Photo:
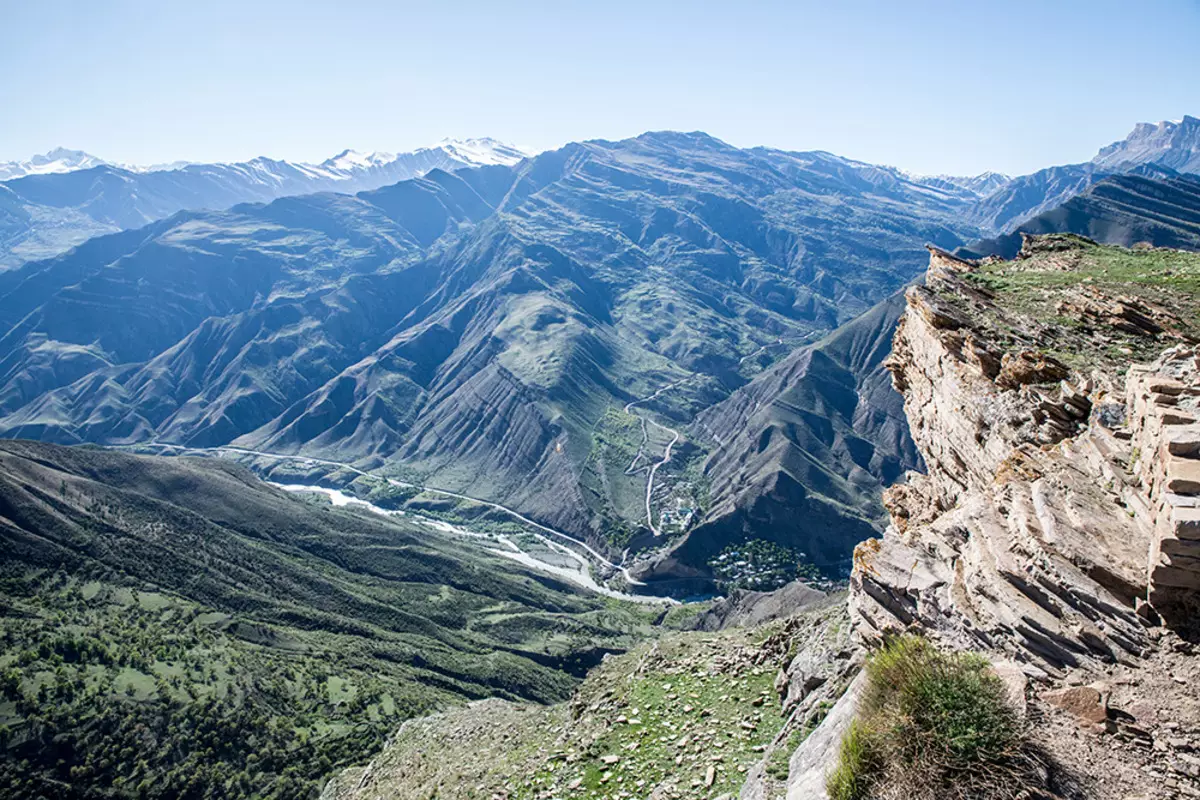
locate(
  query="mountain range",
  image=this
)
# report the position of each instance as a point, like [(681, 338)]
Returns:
[(661, 345), (472, 390), (1174, 146), (1151, 204), (60, 159), (53, 202)]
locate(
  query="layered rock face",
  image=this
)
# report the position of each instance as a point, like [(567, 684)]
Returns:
[(1019, 537), (1057, 528), (1165, 420)]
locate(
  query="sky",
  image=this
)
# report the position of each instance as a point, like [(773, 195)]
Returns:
[(932, 87)]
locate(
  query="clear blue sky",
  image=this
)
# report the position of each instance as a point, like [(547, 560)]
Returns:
[(929, 86)]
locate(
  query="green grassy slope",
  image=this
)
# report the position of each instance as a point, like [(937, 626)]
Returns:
[(1090, 305), (688, 715), (179, 626)]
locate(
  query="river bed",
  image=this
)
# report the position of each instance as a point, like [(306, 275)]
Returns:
[(579, 574)]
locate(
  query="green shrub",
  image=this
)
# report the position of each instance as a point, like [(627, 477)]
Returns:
[(933, 725), (851, 779)]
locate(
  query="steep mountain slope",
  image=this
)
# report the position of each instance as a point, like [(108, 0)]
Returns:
[(1029, 195), (1161, 208), (472, 328), (803, 451), (1053, 537), (1173, 146), (70, 199), (244, 642)]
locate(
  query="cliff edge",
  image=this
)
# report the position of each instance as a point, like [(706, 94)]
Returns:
[(1055, 400)]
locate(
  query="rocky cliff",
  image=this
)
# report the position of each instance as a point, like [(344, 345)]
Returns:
[(1057, 527)]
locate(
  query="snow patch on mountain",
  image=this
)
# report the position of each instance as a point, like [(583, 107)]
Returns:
[(349, 167), (349, 160), (59, 159), (485, 151)]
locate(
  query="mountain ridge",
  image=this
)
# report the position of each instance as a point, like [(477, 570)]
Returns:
[(47, 212), (533, 334), (1171, 145), (479, 151), (1151, 205)]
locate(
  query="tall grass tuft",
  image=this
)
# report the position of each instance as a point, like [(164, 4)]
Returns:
[(934, 726)]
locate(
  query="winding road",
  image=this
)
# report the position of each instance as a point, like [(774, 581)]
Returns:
[(675, 435), (631, 469), (762, 349), (402, 484), (645, 439)]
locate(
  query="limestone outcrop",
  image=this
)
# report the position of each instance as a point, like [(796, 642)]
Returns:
[(1057, 527), (1019, 537), (1164, 404)]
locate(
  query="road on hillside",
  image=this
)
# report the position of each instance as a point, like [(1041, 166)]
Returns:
[(675, 435), (645, 440), (403, 484)]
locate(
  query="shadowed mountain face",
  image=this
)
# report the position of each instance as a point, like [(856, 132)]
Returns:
[(473, 327), (1157, 206), (1166, 147), (1028, 195), (804, 451)]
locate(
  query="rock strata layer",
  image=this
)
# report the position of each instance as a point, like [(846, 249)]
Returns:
[(1057, 529)]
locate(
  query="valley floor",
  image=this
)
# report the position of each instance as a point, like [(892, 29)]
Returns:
[(579, 571)]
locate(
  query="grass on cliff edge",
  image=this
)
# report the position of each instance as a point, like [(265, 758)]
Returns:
[(933, 726), (1059, 267)]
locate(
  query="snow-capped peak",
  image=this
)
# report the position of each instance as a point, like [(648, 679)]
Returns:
[(484, 151), (59, 159), (349, 160)]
